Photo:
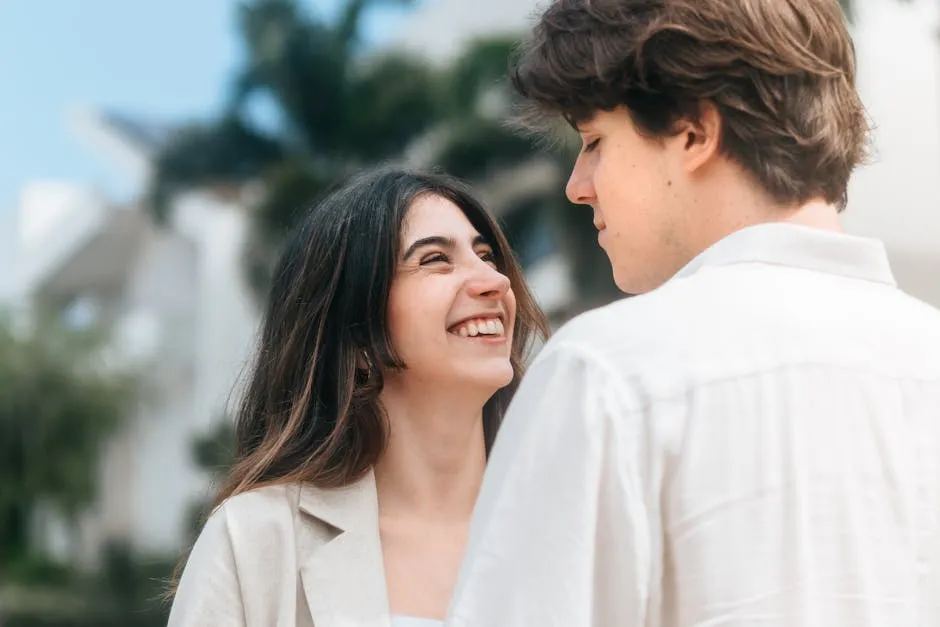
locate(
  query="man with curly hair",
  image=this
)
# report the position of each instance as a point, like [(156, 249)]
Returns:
[(754, 438)]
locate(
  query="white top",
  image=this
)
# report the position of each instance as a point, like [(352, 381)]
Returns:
[(757, 442)]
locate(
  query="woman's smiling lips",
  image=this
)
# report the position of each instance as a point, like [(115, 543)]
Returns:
[(487, 327)]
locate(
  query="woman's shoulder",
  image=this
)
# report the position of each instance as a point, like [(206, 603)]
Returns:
[(244, 557), (269, 499), (294, 508), (259, 512)]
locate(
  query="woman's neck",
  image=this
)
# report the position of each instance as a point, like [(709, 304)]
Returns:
[(435, 458)]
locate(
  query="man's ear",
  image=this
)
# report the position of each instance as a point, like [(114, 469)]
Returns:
[(700, 139)]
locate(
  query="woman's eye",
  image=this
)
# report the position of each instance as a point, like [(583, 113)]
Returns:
[(435, 258), (488, 256)]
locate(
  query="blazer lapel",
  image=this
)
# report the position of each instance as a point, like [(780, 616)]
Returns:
[(343, 577)]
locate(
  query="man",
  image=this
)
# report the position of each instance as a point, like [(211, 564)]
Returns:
[(754, 439)]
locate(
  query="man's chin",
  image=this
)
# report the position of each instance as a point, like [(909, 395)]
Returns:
[(633, 285)]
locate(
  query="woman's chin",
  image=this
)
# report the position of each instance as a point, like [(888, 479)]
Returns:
[(478, 377), (493, 377)]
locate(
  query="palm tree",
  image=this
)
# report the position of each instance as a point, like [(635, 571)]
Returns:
[(524, 183), (344, 110), (339, 113)]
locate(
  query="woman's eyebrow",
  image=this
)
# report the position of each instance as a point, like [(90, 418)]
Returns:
[(448, 243)]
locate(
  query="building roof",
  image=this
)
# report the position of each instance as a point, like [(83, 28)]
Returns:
[(127, 143), (148, 135)]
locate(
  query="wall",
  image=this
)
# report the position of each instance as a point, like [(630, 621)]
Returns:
[(897, 197)]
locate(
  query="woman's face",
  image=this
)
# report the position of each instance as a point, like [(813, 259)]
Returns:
[(451, 312)]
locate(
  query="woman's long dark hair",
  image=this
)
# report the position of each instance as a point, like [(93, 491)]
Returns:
[(311, 411)]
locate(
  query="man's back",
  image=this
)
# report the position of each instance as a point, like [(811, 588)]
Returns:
[(757, 442), (754, 439), (794, 432)]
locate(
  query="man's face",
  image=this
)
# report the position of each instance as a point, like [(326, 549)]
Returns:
[(633, 185)]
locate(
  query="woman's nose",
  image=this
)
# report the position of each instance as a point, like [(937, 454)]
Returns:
[(487, 281)]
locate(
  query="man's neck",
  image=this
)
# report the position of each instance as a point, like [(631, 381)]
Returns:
[(817, 214), (735, 204)]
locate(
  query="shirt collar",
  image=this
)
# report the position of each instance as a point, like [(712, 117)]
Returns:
[(799, 246)]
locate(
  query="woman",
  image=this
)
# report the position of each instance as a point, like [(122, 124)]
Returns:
[(393, 340)]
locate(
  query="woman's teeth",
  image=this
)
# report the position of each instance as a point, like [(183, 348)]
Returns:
[(473, 328)]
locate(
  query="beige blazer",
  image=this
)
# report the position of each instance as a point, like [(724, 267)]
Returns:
[(286, 556)]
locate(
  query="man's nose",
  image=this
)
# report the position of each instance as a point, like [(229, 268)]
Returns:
[(580, 187)]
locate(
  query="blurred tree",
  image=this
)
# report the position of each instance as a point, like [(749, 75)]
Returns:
[(850, 6), (339, 112), (61, 398), (342, 110), (525, 185), (214, 453), (56, 411), (124, 592)]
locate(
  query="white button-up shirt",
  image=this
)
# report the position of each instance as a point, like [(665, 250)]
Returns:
[(756, 442)]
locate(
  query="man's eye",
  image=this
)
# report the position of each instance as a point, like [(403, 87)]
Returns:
[(591, 146)]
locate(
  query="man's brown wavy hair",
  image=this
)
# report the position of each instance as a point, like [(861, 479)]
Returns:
[(780, 72)]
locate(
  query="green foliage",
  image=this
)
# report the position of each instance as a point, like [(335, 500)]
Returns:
[(57, 410), (481, 147), (124, 592), (339, 113), (225, 154), (343, 111), (291, 185), (480, 69), (33, 569), (213, 453), (389, 103), (849, 6), (59, 404)]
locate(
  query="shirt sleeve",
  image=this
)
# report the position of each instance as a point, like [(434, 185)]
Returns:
[(209, 592), (560, 534)]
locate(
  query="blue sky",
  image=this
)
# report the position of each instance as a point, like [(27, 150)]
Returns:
[(169, 60)]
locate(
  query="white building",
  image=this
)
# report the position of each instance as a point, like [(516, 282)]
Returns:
[(175, 303)]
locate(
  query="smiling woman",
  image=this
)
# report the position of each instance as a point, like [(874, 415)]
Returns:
[(394, 337), (445, 305)]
